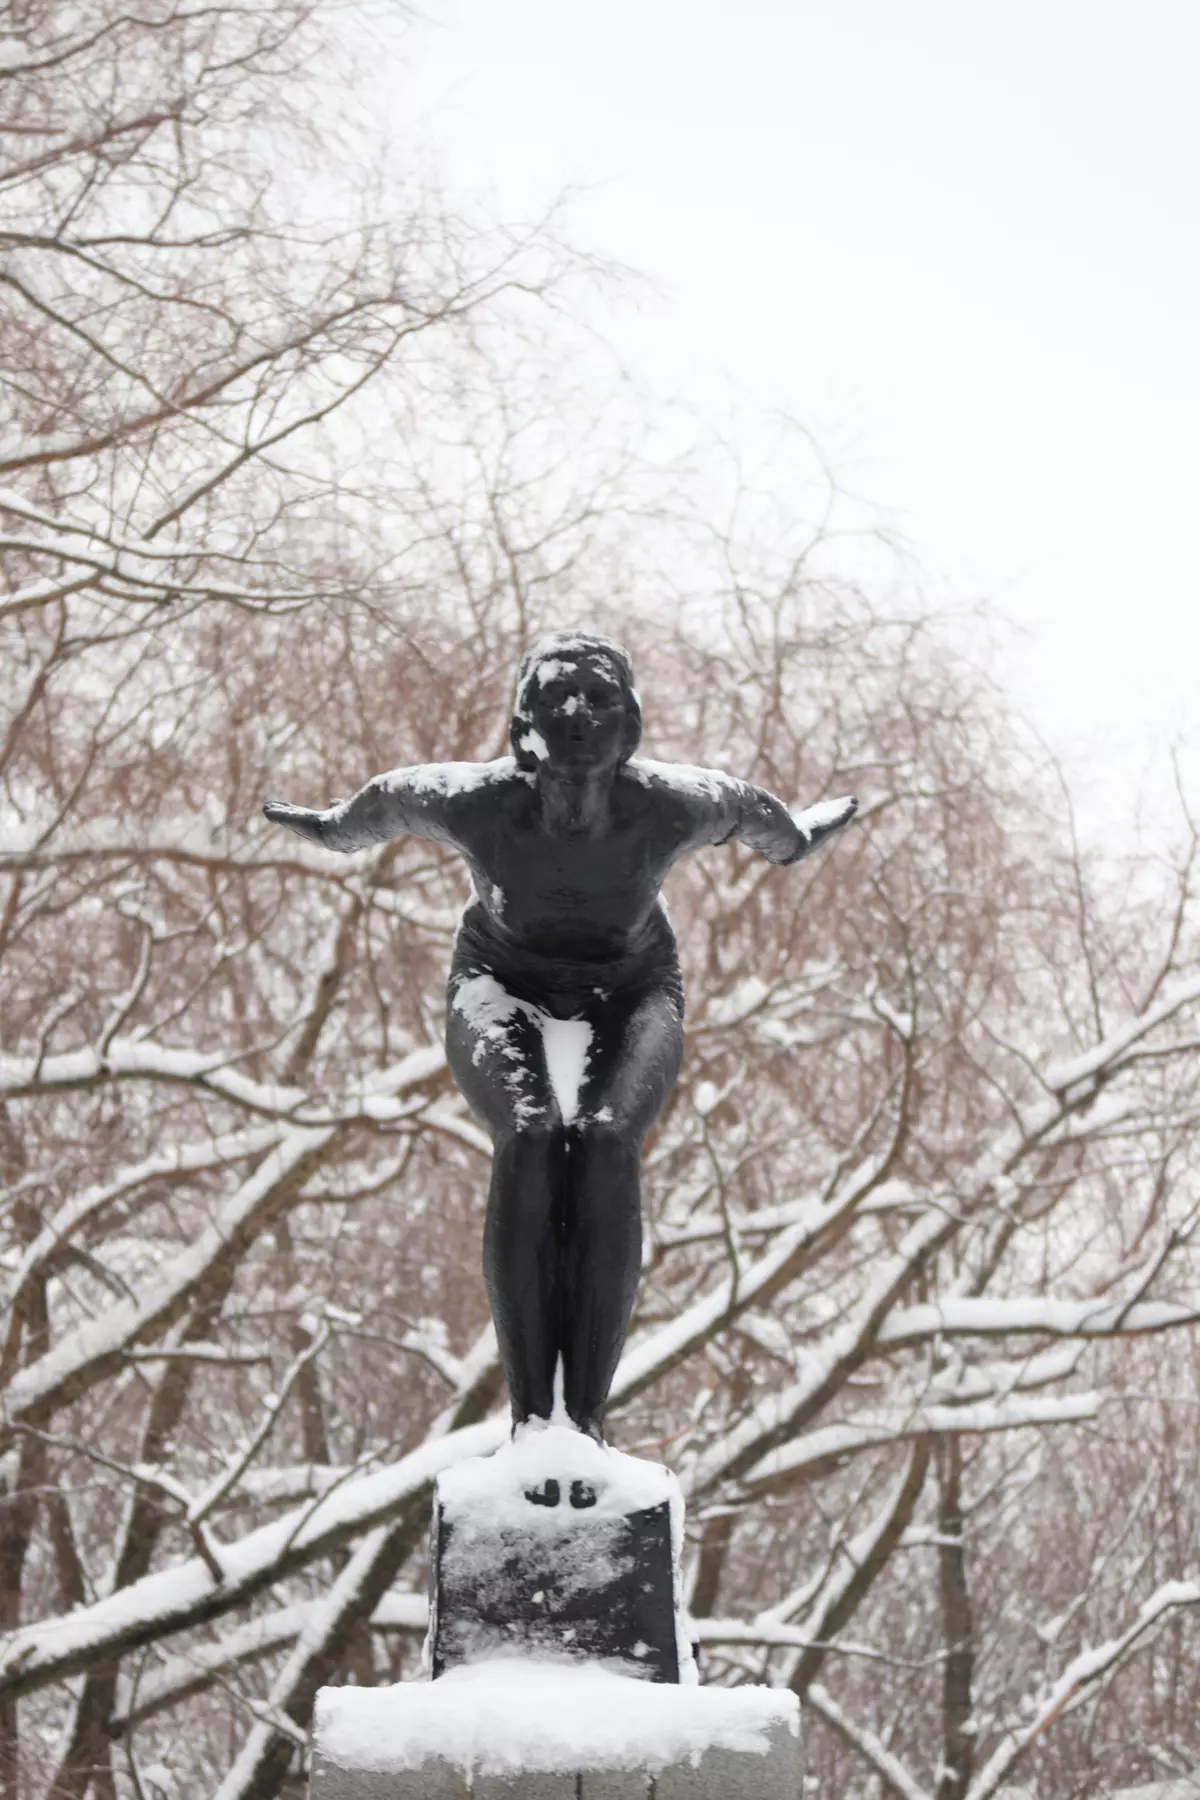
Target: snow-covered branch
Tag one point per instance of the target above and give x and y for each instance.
(94, 1350)
(891, 1771)
(1032, 1315)
(1106, 1058)
(1090, 1669)
(816, 1453)
(141, 1060)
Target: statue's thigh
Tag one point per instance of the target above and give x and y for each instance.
(497, 1057)
(633, 1061)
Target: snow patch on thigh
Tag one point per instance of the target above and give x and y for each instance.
(568, 1043)
(489, 1009)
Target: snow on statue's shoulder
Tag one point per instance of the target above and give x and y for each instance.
(683, 778)
(450, 778)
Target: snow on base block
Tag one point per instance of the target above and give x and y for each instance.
(550, 1731)
(557, 1547)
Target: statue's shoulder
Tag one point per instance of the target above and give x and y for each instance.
(682, 781)
(458, 787)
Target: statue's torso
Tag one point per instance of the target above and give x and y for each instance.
(585, 893)
(575, 893)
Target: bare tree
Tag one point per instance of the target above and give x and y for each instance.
(917, 1319)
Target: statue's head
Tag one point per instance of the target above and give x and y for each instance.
(576, 706)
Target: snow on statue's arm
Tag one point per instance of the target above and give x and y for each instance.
(783, 836)
(720, 807)
(417, 802)
(813, 824)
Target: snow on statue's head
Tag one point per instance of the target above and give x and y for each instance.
(566, 654)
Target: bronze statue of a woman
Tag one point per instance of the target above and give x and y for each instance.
(564, 1023)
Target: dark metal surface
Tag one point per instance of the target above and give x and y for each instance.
(568, 841)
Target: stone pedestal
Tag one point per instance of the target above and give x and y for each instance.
(557, 1548)
(562, 1663)
(549, 1731)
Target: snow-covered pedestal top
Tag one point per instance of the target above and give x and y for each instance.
(520, 1727)
(493, 1489)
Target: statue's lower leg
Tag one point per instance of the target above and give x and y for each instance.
(602, 1255)
(522, 1256)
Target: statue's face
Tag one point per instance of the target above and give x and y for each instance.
(578, 709)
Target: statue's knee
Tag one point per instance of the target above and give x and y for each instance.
(532, 1140)
(609, 1139)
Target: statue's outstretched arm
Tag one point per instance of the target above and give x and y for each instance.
(785, 836)
(401, 802)
(824, 820)
(717, 806)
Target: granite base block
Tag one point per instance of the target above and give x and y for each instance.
(735, 1775)
(718, 1775)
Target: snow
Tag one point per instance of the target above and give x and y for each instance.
(416, 1066)
(83, 1355)
(492, 1488)
(567, 1043)
(826, 812)
(830, 1442)
(448, 778)
(1080, 1674)
(488, 1007)
(979, 1381)
(183, 837)
(836, 1352)
(178, 1594)
(219, 1152)
(535, 743)
(744, 998)
(142, 1058)
(705, 1096)
(903, 1024)
(35, 593)
(667, 1344)
(379, 1098)
(875, 1751)
(962, 1315)
(1184, 1787)
(887, 1197)
(1068, 1074)
(558, 655)
(684, 778)
(509, 1714)
(550, 670)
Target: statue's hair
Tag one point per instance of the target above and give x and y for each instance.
(561, 646)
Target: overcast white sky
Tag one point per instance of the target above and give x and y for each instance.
(959, 240)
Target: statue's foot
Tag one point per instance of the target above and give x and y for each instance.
(592, 1427)
(583, 1495)
(547, 1493)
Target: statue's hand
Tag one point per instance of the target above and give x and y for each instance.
(823, 820)
(300, 819)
